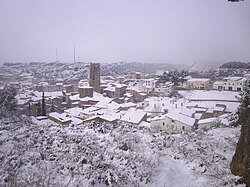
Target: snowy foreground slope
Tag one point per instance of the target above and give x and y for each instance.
(100, 155)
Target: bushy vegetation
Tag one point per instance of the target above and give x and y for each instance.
(8, 103)
(176, 77)
(125, 68)
(244, 99)
(236, 65)
(109, 155)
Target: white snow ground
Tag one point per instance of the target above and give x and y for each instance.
(176, 173)
(105, 155)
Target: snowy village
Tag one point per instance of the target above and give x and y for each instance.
(128, 93)
(134, 129)
(191, 103)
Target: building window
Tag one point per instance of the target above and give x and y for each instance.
(183, 127)
(163, 123)
(238, 89)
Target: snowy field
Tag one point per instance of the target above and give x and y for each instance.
(204, 95)
(105, 155)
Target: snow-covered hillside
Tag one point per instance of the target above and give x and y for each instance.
(103, 154)
(73, 72)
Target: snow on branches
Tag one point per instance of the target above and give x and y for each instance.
(108, 155)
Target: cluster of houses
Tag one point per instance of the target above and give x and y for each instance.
(157, 113)
(138, 101)
(189, 118)
(231, 83)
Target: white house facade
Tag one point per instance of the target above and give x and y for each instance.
(198, 83)
(172, 121)
(234, 83)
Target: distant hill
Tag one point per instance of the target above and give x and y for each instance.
(236, 65)
(12, 63)
(124, 68)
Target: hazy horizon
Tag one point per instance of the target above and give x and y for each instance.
(109, 31)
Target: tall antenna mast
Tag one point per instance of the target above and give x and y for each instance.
(74, 54)
(144, 70)
(56, 55)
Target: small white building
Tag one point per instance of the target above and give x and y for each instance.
(218, 85)
(198, 83)
(206, 123)
(59, 118)
(234, 83)
(162, 91)
(150, 83)
(172, 121)
(158, 124)
(90, 112)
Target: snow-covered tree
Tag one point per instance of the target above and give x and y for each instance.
(8, 103)
(29, 110)
(245, 98)
(111, 155)
(52, 107)
(38, 109)
(43, 106)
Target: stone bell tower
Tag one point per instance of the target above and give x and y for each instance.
(94, 77)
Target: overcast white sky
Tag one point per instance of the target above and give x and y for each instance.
(176, 31)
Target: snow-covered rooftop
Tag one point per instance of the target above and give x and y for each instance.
(108, 118)
(208, 120)
(75, 97)
(85, 86)
(181, 118)
(74, 111)
(233, 78)
(110, 88)
(212, 95)
(133, 116)
(199, 109)
(220, 109)
(198, 80)
(73, 119)
(187, 112)
(129, 104)
(161, 117)
(218, 83)
(48, 94)
(59, 117)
